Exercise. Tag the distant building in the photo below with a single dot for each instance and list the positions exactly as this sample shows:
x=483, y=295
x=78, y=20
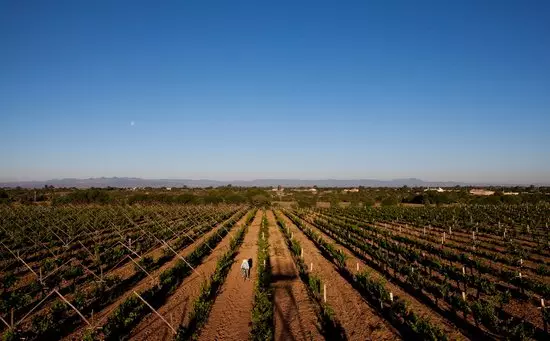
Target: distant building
x=168, y=188
x=438, y=189
x=481, y=191
x=351, y=190
x=312, y=190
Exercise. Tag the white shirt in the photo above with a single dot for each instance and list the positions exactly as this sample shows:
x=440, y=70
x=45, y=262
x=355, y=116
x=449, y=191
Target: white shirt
x=244, y=264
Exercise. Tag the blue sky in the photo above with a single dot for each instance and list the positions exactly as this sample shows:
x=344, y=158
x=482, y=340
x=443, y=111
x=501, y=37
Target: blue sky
x=440, y=90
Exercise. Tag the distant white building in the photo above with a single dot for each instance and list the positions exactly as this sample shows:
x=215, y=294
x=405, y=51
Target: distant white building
x=351, y=190
x=312, y=190
x=481, y=191
x=438, y=189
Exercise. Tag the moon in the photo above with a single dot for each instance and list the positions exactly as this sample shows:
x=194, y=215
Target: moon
x=132, y=123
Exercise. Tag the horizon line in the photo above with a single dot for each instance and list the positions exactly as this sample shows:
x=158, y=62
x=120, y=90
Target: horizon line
x=449, y=182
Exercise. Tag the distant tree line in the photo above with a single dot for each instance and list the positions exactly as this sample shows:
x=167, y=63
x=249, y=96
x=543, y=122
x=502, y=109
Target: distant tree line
x=253, y=196
x=364, y=197
x=498, y=197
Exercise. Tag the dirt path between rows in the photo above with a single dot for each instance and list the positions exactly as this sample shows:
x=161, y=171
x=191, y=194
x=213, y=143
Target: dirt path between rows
x=123, y=270
x=359, y=320
x=101, y=316
x=230, y=318
x=418, y=307
x=294, y=312
x=176, y=309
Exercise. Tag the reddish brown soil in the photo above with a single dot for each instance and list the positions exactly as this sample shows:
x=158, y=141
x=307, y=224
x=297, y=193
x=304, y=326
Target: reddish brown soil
x=230, y=318
x=101, y=317
x=529, y=265
x=359, y=320
x=176, y=309
x=418, y=307
x=294, y=313
x=519, y=309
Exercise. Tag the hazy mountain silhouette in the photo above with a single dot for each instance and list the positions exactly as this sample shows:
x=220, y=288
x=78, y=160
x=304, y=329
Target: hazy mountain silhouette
x=139, y=182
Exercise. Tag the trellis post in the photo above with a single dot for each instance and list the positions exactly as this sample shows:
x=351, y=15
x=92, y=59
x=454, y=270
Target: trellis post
x=156, y=312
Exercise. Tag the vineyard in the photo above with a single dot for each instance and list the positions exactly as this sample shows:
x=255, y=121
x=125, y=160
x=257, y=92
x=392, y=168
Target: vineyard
x=172, y=272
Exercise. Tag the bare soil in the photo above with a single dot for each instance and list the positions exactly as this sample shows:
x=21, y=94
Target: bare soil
x=294, y=312
x=231, y=315
x=359, y=319
x=101, y=317
x=176, y=309
x=418, y=307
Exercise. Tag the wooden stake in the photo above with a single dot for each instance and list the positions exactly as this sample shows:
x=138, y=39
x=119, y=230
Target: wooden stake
x=325, y=293
x=154, y=311
x=6, y=323
x=19, y=258
x=357, y=266
x=181, y=257
x=464, y=296
x=391, y=296
x=310, y=267
x=73, y=307
x=35, y=307
x=132, y=251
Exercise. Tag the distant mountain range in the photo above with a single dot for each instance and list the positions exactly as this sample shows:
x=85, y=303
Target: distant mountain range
x=138, y=182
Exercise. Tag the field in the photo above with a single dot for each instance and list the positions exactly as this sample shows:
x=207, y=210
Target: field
x=172, y=272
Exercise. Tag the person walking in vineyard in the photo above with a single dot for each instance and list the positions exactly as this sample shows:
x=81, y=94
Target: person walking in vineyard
x=245, y=269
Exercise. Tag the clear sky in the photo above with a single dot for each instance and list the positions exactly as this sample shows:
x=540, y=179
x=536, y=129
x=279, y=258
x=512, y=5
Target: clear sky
x=439, y=90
